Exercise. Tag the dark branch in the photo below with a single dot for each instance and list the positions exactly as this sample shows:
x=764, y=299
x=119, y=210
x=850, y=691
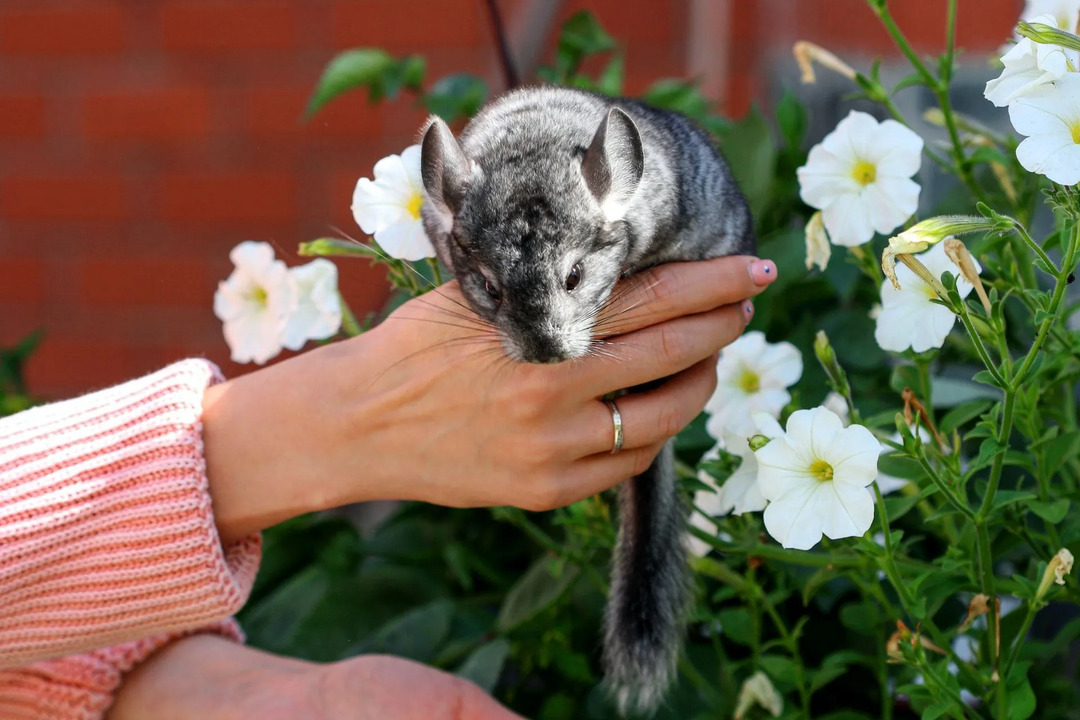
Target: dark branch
x=510, y=75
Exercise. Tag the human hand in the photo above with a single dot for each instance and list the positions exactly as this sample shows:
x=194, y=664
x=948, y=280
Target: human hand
x=427, y=407
x=211, y=678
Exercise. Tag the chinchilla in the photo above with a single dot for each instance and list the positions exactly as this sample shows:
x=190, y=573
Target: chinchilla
x=550, y=196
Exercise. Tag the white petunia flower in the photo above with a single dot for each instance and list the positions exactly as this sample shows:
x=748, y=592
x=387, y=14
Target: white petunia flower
x=255, y=302
x=815, y=478
x=818, y=248
x=388, y=208
x=1050, y=117
x=1030, y=65
x=1066, y=13
x=752, y=376
x=859, y=176
x=318, y=311
x=908, y=318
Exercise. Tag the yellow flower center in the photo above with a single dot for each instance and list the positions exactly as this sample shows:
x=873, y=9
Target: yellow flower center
x=864, y=172
x=414, y=204
x=749, y=381
x=822, y=470
x=258, y=296
x=1074, y=128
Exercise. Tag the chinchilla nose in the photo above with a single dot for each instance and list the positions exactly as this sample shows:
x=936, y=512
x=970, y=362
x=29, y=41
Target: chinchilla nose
x=542, y=349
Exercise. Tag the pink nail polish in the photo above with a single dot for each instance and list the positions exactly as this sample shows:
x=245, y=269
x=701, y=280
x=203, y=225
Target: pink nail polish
x=748, y=308
x=762, y=272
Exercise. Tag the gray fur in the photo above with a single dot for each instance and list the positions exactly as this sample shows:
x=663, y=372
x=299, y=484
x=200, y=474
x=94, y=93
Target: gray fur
x=550, y=197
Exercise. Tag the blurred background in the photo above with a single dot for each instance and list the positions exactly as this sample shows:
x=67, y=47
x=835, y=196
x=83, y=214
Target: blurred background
x=141, y=140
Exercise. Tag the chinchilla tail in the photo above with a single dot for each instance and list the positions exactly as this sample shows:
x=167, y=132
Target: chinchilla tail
x=643, y=622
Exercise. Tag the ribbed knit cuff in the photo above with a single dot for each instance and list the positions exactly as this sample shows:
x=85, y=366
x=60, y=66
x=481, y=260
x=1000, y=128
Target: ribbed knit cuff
x=106, y=528
x=81, y=687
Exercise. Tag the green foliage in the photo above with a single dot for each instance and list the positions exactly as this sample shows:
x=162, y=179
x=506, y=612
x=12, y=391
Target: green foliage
x=14, y=396
x=856, y=628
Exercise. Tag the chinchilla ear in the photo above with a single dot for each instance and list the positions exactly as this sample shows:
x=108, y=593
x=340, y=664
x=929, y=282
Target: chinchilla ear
x=613, y=163
x=444, y=170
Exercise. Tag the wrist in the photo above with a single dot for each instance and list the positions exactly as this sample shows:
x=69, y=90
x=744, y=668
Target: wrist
x=276, y=441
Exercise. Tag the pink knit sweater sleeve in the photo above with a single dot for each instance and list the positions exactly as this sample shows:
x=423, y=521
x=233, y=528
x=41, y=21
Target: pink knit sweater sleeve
x=106, y=531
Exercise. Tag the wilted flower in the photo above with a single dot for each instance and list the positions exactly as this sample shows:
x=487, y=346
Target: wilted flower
x=1050, y=117
x=758, y=690
x=908, y=318
x=1029, y=66
x=1059, y=566
x=318, y=310
x=807, y=53
x=815, y=478
x=752, y=376
x=859, y=176
x=255, y=302
x=388, y=208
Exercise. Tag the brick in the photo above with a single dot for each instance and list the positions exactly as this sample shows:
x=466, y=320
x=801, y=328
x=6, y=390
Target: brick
x=408, y=25
x=216, y=197
x=275, y=112
x=64, y=197
x=64, y=367
x=22, y=116
x=62, y=31
x=22, y=280
x=144, y=282
x=176, y=114
x=641, y=20
x=222, y=26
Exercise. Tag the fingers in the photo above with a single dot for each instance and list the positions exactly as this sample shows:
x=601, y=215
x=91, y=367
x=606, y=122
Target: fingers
x=675, y=289
x=652, y=416
x=600, y=472
x=662, y=350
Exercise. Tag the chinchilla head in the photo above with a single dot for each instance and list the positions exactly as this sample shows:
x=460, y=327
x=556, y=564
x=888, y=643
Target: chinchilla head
x=531, y=229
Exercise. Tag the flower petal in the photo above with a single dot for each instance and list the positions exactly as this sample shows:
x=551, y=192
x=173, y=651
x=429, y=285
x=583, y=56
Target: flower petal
x=793, y=519
x=845, y=512
x=848, y=221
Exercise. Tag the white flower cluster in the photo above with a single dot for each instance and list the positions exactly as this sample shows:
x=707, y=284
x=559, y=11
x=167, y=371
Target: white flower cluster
x=266, y=306
x=810, y=479
x=1040, y=84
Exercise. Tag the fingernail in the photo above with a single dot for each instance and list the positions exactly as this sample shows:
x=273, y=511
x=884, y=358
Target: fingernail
x=748, y=308
x=762, y=272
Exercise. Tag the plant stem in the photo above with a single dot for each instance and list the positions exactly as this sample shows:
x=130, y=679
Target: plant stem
x=890, y=564
x=792, y=644
x=348, y=321
x=950, y=494
x=435, y=272
x=1014, y=651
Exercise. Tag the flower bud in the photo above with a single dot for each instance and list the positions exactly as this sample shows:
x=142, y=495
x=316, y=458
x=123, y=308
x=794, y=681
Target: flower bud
x=807, y=53
x=818, y=248
x=1048, y=35
x=757, y=442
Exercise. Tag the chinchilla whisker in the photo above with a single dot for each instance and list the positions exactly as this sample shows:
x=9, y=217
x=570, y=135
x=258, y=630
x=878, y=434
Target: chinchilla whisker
x=484, y=344
x=447, y=323
x=468, y=318
x=430, y=285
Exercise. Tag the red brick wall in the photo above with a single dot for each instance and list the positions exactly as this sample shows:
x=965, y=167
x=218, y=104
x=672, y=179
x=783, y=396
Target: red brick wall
x=141, y=140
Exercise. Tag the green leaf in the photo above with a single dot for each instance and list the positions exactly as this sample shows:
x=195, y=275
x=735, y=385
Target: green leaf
x=364, y=67
x=961, y=414
x=1021, y=698
x=456, y=96
x=610, y=81
x=1008, y=497
x=736, y=625
x=791, y=117
x=485, y=664
x=1062, y=449
x=1051, y=512
x=949, y=392
x=936, y=711
x=415, y=635
x=779, y=668
x=984, y=377
x=539, y=587
x=897, y=507
x=678, y=95
x=750, y=152
x=584, y=34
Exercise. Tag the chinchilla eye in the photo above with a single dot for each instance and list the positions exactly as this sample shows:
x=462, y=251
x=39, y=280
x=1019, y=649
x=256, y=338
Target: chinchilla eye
x=492, y=291
x=573, y=278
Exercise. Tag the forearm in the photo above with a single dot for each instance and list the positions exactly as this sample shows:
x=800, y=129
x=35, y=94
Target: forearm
x=106, y=527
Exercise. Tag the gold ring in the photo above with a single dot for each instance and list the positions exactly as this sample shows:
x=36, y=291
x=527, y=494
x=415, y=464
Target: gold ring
x=616, y=419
